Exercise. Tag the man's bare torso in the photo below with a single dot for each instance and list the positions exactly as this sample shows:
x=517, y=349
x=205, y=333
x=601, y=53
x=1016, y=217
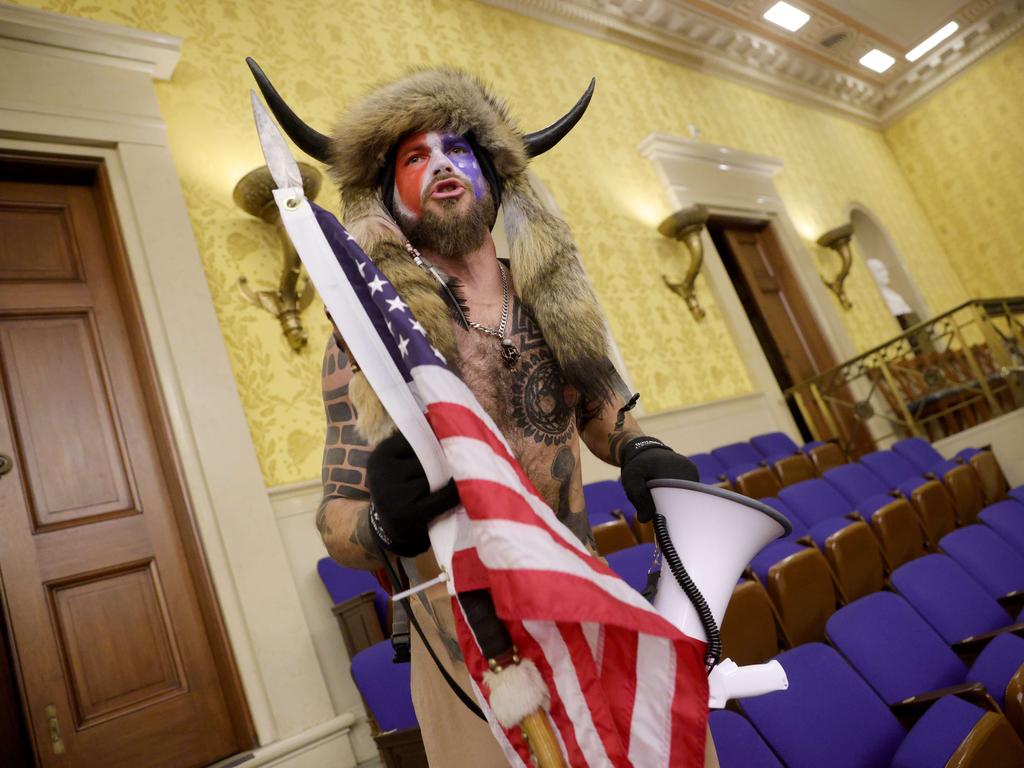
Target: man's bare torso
x=534, y=408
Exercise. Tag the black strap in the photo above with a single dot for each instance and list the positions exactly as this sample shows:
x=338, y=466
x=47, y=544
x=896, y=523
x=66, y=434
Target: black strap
x=456, y=688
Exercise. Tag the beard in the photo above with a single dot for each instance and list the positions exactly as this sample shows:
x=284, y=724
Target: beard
x=450, y=233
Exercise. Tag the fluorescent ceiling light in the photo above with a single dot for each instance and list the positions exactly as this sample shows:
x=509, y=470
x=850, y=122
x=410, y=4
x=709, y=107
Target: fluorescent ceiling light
x=786, y=16
x=932, y=41
x=877, y=60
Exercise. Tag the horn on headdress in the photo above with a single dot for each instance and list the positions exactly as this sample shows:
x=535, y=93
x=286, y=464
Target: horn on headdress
x=539, y=142
x=309, y=140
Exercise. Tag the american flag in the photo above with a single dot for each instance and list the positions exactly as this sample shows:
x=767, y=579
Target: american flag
x=627, y=688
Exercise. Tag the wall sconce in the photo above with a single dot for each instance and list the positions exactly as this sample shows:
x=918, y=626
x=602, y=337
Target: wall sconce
x=686, y=225
x=254, y=195
x=838, y=240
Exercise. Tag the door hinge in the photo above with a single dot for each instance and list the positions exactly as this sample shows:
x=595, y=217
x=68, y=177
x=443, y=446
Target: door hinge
x=56, y=742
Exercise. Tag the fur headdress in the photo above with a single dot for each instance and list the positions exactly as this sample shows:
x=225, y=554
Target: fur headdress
x=546, y=270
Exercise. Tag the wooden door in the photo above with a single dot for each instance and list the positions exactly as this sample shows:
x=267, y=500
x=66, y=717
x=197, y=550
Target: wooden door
x=109, y=610
x=782, y=319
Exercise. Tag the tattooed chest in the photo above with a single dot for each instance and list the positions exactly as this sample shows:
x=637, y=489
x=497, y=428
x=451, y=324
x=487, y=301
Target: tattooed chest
x=532, y=404
x=530, y=401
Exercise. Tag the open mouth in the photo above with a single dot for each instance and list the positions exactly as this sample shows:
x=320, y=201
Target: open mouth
x=447, y=188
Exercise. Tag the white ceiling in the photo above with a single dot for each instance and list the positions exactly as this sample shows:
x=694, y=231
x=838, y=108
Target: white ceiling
x=906, y=22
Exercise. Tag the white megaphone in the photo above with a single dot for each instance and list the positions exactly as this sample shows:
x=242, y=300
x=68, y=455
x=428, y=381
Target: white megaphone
x=712, y=533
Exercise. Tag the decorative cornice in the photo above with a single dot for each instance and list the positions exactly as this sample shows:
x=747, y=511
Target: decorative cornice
x=711, y=42
x=87, y=40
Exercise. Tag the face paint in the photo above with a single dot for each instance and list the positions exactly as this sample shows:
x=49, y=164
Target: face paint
x=423, y=157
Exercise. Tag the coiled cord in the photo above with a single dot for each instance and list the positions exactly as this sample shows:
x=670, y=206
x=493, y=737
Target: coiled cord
x=707, y=619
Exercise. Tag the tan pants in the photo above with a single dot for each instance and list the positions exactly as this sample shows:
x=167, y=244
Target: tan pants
x=452, y=735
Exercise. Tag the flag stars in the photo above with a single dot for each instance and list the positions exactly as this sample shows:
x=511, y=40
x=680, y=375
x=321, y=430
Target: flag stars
x=396, y=304
x=361, y=266
x=403, y=346
x=376, y=285
x=438, y=354
x=417, y=327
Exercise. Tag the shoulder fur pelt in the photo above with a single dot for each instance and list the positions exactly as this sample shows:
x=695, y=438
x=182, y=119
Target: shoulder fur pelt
x=546, y=270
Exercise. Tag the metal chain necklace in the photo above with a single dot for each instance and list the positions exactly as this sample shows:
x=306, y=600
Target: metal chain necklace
x=509, y=351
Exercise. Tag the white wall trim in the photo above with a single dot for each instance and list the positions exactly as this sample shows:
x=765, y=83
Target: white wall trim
x=103, y=105
x=75, y=38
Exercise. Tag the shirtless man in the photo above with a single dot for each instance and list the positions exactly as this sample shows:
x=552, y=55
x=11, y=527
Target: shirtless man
x=422, y=164
x=446, y=214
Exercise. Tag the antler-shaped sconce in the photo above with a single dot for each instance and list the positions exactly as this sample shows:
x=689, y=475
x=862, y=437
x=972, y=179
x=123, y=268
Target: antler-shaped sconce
x=254, y=195
x=686, y=225
x=838, y=240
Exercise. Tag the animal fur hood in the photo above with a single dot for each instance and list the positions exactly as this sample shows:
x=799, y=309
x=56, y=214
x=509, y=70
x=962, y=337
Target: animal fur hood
x=546, y=270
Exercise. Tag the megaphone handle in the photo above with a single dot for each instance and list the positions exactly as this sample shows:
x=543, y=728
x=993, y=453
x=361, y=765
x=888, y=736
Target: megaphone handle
x=707, y=619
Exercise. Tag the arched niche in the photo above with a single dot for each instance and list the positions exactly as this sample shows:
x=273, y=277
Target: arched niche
x=872, y=241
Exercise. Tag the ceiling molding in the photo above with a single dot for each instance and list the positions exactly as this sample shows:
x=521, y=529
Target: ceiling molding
x=86, y=40
x=711, y=42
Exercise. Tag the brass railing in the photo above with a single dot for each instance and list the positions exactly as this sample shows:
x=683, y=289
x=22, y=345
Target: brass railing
x=939, y=377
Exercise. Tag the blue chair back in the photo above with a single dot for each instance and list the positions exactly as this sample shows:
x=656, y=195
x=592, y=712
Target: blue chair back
x=737, y=744
x=773, y=444
x=891, y=467
x=827, y=717
x=710, y=469
x=893, y=648
x=632, y=564
x=604, y=497
x=988, y=558
x=345, y=583
x=814, y=500
x=948, y=598
x=385, y=687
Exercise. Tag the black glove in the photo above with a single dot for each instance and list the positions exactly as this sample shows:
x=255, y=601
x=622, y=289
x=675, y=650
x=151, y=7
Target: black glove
x=647, y=458
x=401, y=503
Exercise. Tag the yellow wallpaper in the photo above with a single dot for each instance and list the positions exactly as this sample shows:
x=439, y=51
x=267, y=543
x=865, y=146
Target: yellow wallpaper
x=963, y=152
x=322, y=55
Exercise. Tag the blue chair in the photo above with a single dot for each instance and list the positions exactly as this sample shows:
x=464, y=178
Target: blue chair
x=951, y=601
x=892, y=518
x=908, y=663
x=852, y=550
x=385, y=687
x=632, y=564
x=711, y=470
x=344, y=584
x=934, y=505
x=829, y=716
x=738, y=459
x=610, y=514
x=993, y=563
x=791, y=464
x=737, y=744
x=902, y=657
x=1007, y=519
x=961, y=480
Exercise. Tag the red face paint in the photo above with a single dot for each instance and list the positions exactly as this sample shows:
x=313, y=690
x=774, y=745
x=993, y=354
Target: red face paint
x=423, y=157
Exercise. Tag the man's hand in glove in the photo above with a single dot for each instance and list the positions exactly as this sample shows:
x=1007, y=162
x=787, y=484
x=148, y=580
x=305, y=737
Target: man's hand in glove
x=401, y=503
x=647, y=458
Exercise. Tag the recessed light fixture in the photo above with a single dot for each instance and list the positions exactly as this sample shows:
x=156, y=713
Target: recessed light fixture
x=932, y=41
x=786, y=16
x=877, y=60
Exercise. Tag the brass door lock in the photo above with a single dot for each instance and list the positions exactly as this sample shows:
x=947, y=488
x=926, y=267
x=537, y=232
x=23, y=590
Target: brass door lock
x=56, y=742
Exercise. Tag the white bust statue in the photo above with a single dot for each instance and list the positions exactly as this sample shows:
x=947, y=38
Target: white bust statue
x=896, y=303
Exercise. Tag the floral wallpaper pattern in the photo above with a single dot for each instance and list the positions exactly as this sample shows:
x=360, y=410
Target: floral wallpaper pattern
x=963, y=152
x=323, y=55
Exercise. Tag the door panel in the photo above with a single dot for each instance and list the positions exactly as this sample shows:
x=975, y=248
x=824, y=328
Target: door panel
x=55, y=389
x=105, y=619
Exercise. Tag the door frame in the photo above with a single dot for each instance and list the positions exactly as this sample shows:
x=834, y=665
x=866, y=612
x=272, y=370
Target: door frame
x=732, y=183
x=78, y=88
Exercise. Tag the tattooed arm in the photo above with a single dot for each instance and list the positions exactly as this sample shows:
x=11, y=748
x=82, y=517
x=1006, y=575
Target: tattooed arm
x=605, y=427
x=343, y=518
